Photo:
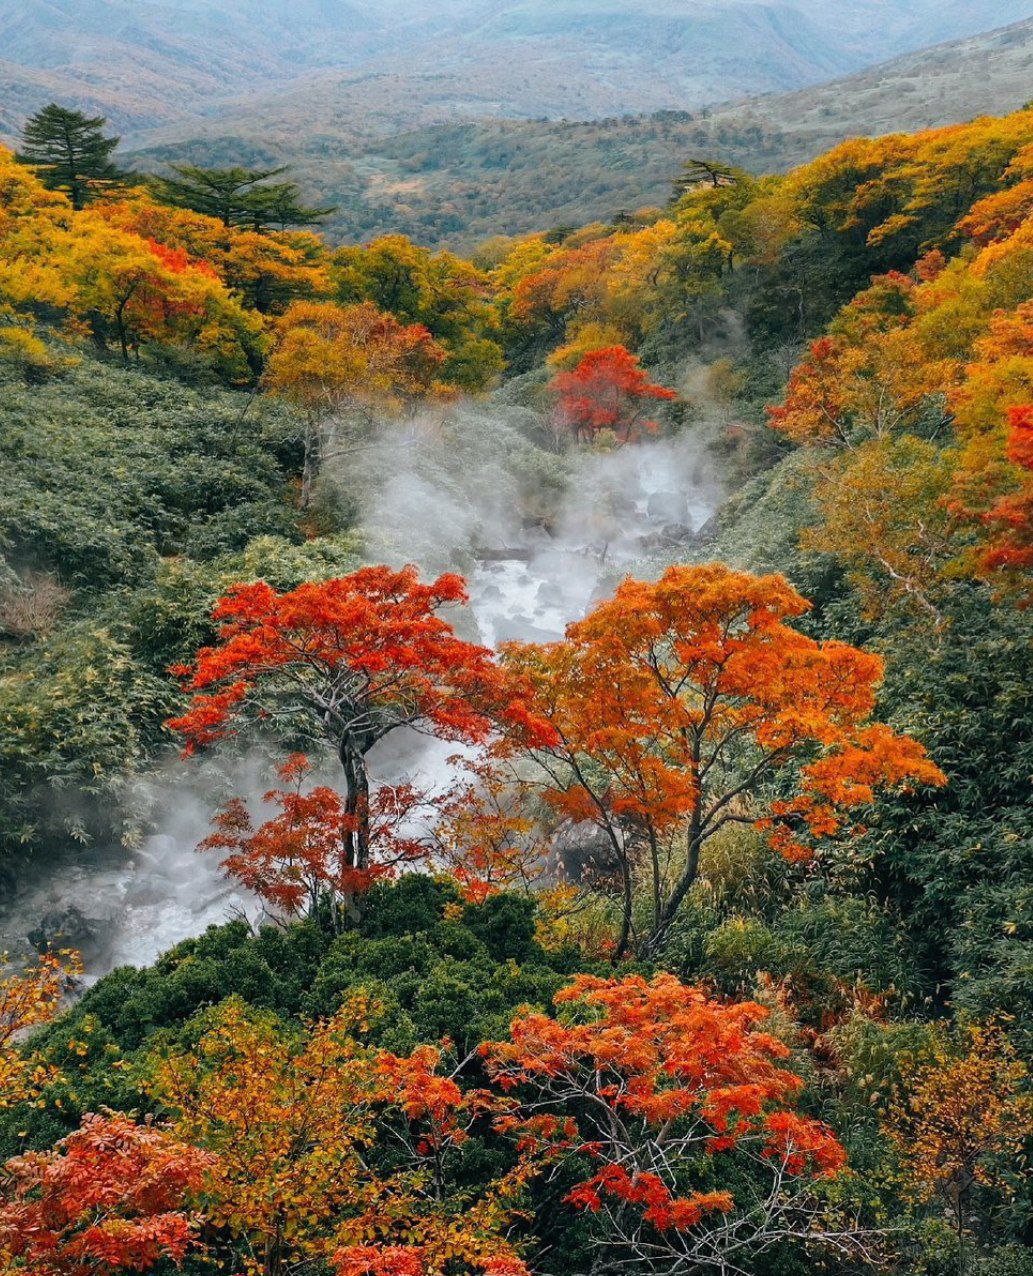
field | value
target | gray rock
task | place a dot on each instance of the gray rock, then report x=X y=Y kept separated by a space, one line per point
x=668 y=507
x=521 y=629
x=70 y=928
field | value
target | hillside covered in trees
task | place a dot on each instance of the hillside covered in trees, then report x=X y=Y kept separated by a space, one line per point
x=149 y=62
x=483 y=118
x=705 y=943
x=454 y=177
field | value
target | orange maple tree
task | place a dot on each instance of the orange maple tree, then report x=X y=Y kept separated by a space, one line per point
x=608 y=391
x=346 y=661
x=1009 y=556
x=680 y=703
x=110 y=1197
x=659 y=1084
x=296 y=860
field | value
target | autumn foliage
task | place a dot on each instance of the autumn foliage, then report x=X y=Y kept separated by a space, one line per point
x=608 y=391
x=686 y=728
x=241 y=299
x=913 y=404
x=673 y=705
x=484 y=835
x=662 y=718
x=298 y=858
x=960 y=1114
x=349 y=661
x=112 y=1196
x=329 y=357
x=325 y=1148
x=661 y=1080
x=28 y=999
x=1009 y=555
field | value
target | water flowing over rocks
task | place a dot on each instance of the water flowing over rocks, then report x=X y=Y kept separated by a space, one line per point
x=631 y=511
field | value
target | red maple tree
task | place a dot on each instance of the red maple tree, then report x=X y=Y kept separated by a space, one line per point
x=346 y=661
x=657 y=1083
x=297 y=858
x=608 y=391
x=110 y=1197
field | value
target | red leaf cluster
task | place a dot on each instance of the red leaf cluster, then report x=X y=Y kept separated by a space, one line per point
x=110 y=1196
x=300 y=854
x=659 y=1065
x=1011 y=520
x=363 y=653
x=608 y=391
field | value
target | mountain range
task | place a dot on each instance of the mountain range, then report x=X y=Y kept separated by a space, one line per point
x=458 y=182
x=476 y=117
x=146 y=63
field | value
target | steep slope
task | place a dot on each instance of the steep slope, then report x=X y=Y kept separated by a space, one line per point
x=982 y=75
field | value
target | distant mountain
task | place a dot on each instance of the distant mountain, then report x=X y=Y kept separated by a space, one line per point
x=459 y=119
x=148 y=61
x=988 y=74
x=460 y=183
x=379 y=65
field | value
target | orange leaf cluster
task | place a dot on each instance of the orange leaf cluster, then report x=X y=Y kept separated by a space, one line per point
x=328 y=357
x=959 y=1110
x=484 y=837
x=659 y=1074
x=109 y=1197
x=916 y=384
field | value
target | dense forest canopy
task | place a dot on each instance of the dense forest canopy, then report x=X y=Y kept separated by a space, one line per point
x=712 y=950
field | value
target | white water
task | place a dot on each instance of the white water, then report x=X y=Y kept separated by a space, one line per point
x=126 y=908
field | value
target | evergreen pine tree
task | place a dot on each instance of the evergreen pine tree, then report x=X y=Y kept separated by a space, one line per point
x=238 y=196
x=70 y=152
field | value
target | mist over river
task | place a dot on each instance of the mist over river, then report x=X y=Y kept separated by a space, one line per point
x=634 y=509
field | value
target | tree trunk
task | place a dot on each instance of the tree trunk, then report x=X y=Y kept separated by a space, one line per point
x=625 y=935
x=273 y=1264
x=75 y=190
x=123 y=339
x=654 y=855
x=310 y=469
x=356 y=805
x=685 y=884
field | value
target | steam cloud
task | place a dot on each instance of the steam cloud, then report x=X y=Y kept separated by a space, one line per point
x=449 y=492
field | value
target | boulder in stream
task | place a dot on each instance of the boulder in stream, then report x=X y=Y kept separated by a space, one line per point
x=70 y=927
x=668 y=507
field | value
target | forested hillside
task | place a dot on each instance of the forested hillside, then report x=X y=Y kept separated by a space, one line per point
x=455 y=181
x=147 y=62
x=454 y=142
x=679 y=918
